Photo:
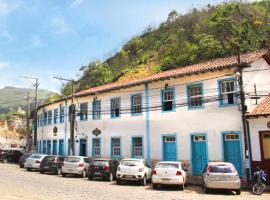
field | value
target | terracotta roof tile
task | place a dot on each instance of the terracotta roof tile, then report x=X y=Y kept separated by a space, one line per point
x=187 y=70
x=263 y=109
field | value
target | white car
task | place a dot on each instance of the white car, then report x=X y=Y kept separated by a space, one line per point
x=33 y=162
x=169 y=173
x=221 y=175
x=75 y=165
x=133 y=170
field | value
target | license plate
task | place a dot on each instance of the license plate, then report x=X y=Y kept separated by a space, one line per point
x=129 y=176
x=165 y=179
x=46 y=167
x=97 y=173
x=70 y=170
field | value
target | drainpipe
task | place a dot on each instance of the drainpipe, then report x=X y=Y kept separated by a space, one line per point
x=147 y=122
x=66 y=121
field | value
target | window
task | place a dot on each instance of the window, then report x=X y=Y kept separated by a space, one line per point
x=137 y=147
x=195 y=96
x=136 y=104
x=227 y=92
x=50 y=117
x=45 y=118
x=55 y=116
x=169 y=139
x=96 y=147
x=199 y=138
x=41 y=120
x=232 y=137
x=168 y=100
x=116 y=148
x=115 y=107
x=96 y=109
x=266 y=145
x=62 y=112
x=83 y=111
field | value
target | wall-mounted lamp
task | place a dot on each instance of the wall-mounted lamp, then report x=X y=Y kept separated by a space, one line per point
x=166 y=86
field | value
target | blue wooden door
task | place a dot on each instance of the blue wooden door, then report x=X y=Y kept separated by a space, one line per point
x=61 y=147
x=44 y=147
x=49 y=147
x=54 y=147
x=169 y=148
x=68 y=147
x=83 y=147
x=232 y=151
x=199 y=154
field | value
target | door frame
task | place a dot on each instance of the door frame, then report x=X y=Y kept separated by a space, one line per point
x=223 y=133
x=191 y=149
x=162 y=144
x=261 y=145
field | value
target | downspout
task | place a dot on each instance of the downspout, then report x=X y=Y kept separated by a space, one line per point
x=148 y=157
x=66 y=121
x=249 y=148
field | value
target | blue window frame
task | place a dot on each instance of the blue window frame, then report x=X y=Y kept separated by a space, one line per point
x=227 y=92
x=55 y=116
x=195 y=96
x=62 y=115
x=168 y=100
x=45 y=118
x=115 y=107
x=96 y=110
x=137 y=147
x=136 y=104
x=96 y=147
x=116 y=147
x=49 y=117
x=83 y=111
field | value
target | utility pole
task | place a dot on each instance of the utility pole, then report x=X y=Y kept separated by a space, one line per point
x=28 y=146
x=255 y=91
x=72 y=113
x=36 y=84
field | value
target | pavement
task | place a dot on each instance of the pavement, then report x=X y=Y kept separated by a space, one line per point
x=17 y=184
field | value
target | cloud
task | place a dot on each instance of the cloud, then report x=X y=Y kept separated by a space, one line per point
x=60 y=25
x=3 y=64
x=36 y=42
x=7 y=7
x=76 y=3
x=6 y=34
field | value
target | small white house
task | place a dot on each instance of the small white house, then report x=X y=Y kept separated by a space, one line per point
x=191 y=114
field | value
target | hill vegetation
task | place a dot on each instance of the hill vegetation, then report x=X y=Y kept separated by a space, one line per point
x=201 y=34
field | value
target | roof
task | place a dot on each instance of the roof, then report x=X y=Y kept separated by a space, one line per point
x=211 y=65
x=216 y=64
x=263 y=109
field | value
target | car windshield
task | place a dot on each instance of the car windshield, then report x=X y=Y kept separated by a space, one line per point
x=221 y=169
x=36 y=156
x=72 y=159
x=130 y=163
x=101 y=162
x=168 y=165
x=51 y=158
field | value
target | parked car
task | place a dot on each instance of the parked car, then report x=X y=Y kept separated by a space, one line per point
x=23 y=158
x=51 y=164
x=221 y=175
x=169 y=173
x=33 y=162
x=11 y=155
x=104 y=168
x=75 y=165
x=133 y=170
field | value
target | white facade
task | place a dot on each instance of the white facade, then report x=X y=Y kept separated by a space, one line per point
x=211 y=120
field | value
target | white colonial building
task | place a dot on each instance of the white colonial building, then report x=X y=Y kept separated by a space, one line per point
x=190 y=114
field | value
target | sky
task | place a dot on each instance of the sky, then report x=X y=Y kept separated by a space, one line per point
x=46 y=38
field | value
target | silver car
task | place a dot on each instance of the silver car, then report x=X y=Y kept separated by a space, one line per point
x=75 y=165
x=221 y=175
x=33 y=162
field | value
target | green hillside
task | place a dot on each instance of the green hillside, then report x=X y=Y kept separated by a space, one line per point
x=12 y=98
x=201 y=34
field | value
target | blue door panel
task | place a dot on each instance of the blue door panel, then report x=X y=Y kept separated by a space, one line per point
x=54 y=147
x=44 y=147
x=199 y=156
x=169 y=150
x=49 y=147
x=61 y=147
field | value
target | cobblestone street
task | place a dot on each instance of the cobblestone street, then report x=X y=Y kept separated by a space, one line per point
x=16 y=183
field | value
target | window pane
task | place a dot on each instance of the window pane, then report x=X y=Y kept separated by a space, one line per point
x=136 y=104
x=195 y=96
x=115 y=107
x=116 y=147
x=137 y=147
x=168 y=97
x=96 y=110
x=228 y=92
x=96 y=147
x=83 y=111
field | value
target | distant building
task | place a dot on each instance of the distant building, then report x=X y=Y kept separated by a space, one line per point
x=191 y=114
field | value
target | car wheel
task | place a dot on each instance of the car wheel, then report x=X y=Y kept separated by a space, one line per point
x=205 y=189
x=84 y=174
x=144 y=181
x=63 y=175
x=90 y=177
x=155 y=186
x=110 y=177
x=118 y=182
x=28 y=169
x=21 y=166
x=238 y=192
